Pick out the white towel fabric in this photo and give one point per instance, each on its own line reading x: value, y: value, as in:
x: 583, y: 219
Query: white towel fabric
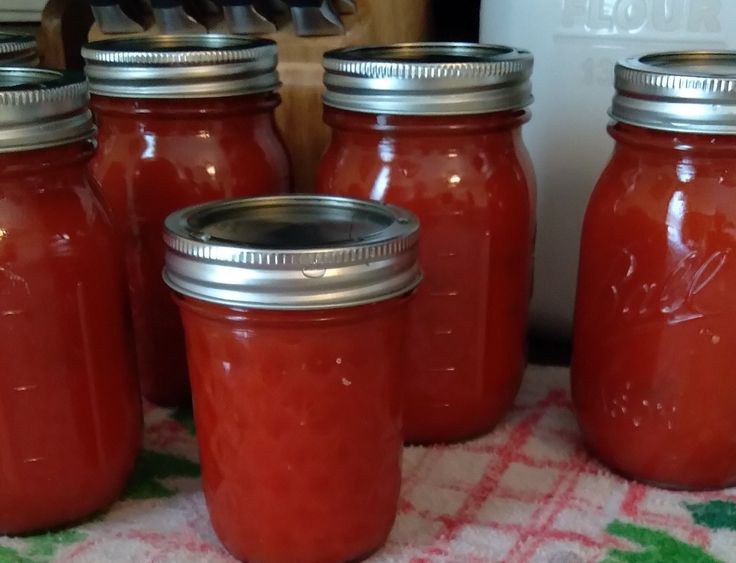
x: 526, y: 493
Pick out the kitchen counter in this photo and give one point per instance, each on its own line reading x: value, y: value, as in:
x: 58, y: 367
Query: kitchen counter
x: 527, y: 492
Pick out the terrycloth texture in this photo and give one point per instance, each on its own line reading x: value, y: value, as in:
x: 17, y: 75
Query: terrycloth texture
x: 525, y: 493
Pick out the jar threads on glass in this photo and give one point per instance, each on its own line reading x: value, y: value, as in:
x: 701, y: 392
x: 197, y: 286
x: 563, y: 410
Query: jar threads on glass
x: 18, y: 49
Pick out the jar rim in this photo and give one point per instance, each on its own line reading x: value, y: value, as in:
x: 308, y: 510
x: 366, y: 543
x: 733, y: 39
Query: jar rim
x: 181, y: 66
x: 682, y: 91
x: 42, y: 108
x: 292, y: 252
x: 444, y: 78
x: 18, y: 49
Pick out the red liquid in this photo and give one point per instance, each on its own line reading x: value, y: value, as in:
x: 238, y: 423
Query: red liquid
x: 469, y: 180
x: 70, y: 417
x: 298, y: 418
x: 157, y: 156
x: 654, y: 366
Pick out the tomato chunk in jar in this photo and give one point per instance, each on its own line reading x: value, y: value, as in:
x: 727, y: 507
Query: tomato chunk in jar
x: 295, y: 311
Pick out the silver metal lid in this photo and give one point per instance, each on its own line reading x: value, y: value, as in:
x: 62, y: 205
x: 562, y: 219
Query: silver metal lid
x: 42, y: 108
x: 687, y: 91
x: 18, y: 49
x: 428, y: 78
x: 292, y: 252
x: 181, y: 66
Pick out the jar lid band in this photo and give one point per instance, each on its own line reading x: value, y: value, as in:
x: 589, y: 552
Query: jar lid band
x: 292, y: 252
x: 42, y: 108
x: 685, y: 91
x: 181, y: 66
x: 18, y: 49
x: 428, y: 78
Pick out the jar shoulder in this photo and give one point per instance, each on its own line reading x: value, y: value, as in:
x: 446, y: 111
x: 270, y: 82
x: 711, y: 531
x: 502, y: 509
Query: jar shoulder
x: 233, y: 145
x: 45, y: 213
x: 461, y: 163
x: 664, y: 185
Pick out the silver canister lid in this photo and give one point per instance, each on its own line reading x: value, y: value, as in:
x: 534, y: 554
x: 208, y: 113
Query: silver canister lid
x: 42, y: 108
x: 181, y: 66
x: 18, y: 49
x: 428, y: 78
x: 292, y: 252
x: 687, y: 91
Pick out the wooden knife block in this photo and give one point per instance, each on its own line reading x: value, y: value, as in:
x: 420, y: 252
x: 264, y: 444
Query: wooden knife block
x: 300, y: 68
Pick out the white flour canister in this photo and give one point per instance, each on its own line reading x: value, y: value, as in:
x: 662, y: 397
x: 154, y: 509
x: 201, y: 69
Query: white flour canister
x: 575, y: 45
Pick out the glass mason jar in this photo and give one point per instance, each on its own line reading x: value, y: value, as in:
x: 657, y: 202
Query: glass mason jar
x: 295, y: 310
x: 18, y: 49
x: 182, y: 120
x: 576, y: 44
x: 435, y: 128
x: 654, y: 364
x: 70, y: 419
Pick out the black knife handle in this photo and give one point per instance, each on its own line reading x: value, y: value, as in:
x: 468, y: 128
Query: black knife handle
x: 166, y: 3
x: 304, y: 3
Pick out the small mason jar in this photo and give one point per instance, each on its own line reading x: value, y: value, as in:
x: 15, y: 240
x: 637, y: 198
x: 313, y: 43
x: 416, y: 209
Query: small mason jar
x: 182, y: 120
x: 436, y: 128
x: 70, y: 413
x: 18, y: 49
x: 294, y: 310
x: 654, y: 363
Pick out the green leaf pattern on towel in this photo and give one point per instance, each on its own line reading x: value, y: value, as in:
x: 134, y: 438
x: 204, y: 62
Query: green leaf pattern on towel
x: 655, y: 546
x: 153, y: 466
x: 145, y: 483
x: 716, y: 514
x: 41, y: 548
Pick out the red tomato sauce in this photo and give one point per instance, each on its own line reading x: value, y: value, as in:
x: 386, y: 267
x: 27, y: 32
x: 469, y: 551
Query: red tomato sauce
x: 654, y: 366
x: 70, y: 417
x: 159, y: 155
x: 298, y: 418
x: 469, y: 180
